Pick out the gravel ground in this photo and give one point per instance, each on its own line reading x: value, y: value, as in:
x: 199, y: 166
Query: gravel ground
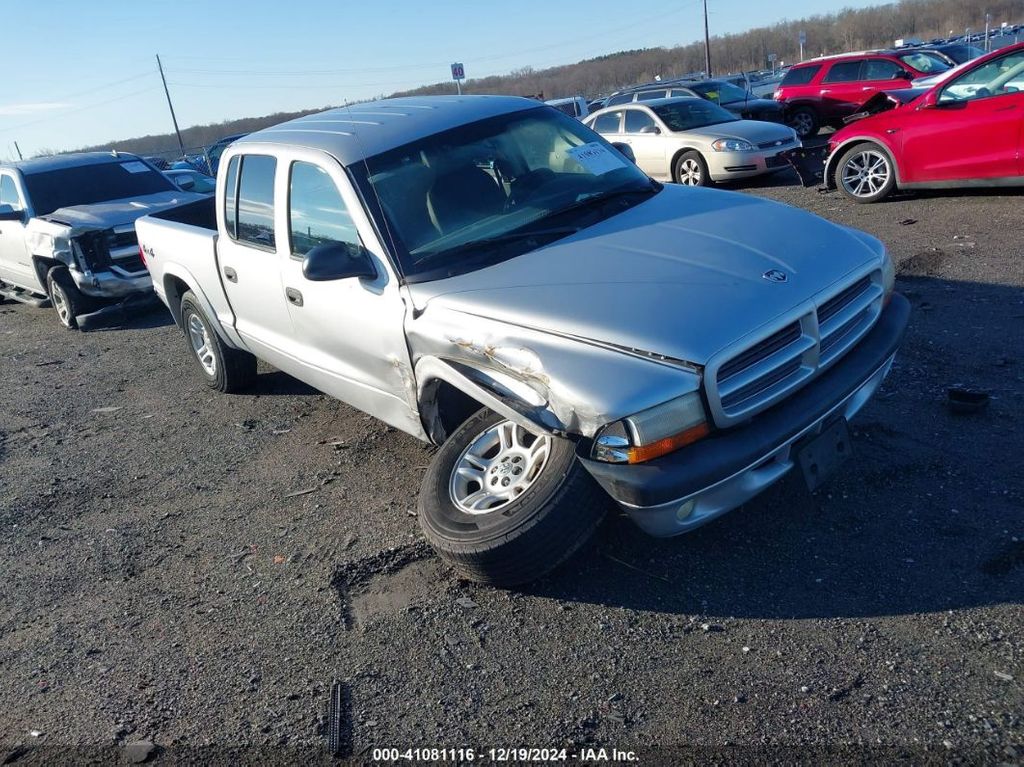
x: 193, y: 570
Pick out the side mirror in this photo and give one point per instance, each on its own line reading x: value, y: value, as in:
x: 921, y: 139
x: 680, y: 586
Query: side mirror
x: 8, y: 213
x: 337, y: 261
x: 651, y: 129
x: 625, y: 150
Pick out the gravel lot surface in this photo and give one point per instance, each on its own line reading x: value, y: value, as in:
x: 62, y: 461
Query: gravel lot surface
x: 190, y: 569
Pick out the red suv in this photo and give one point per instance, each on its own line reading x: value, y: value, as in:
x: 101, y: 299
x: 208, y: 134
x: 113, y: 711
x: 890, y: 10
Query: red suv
x: 824, y: 91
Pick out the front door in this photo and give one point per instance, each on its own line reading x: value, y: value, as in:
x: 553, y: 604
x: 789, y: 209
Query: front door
x: 15, y: 260
x: 348, y: 334
x: 250, y: 258
x: 647, y: 141
x: 972, y: 129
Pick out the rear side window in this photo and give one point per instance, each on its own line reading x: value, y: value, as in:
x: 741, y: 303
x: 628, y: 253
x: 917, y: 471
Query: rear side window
x: 231, y: 197
x: 636, y: 120
x: 881, y: 69
x: 316, y: 212
x: 843, y: 72
x: 651, y: 95
x: 256, y: 200
x: 800, y: 75
x: 608, y: 123
x: 622, y: 98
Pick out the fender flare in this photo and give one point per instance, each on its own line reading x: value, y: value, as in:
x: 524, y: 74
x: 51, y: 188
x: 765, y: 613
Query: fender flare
x: 847, y: 143
x: 180, y: 272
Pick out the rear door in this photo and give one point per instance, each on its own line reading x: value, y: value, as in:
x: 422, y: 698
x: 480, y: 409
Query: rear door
x: 348, y: 334
x: 841, y: 90
x: 249, y: 257
x: 973, y: 129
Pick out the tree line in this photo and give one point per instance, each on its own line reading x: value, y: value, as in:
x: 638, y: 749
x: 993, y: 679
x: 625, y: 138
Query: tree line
x: 847, y: 30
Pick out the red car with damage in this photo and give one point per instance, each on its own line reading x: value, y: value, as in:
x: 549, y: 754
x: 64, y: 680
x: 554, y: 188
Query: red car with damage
x: 965, y: 131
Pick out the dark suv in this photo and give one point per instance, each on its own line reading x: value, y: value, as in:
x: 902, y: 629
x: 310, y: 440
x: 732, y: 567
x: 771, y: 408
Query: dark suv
x: 827, y: 90
x: 740, y: 102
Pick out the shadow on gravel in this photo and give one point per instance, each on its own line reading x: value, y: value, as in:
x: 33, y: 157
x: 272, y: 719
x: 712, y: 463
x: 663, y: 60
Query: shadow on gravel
x: 926, y: 517
x: 276, y: 383
x: 145, y: 316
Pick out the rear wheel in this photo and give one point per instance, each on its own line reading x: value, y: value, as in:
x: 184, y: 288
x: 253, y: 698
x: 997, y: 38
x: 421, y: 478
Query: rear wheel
x: 223, y: 368
x: 502, y: 505
x: 804, y: 121
x: 865, y: 173
x: 691, y: 170
x: 68, y: 301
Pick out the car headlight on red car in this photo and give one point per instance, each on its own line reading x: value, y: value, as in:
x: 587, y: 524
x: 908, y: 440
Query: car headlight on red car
x: 654, y: 432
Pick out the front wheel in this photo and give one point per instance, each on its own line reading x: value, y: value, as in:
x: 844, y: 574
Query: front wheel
x: 865, y: 173
x: 691, y: 170
x: 67, y: 299
x: 503, y: 505
x: 224, y: 369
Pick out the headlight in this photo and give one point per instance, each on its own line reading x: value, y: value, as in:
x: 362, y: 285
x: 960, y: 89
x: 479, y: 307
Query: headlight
x: 888, y: 276
x: 732, y: 145
x: 654, y: 432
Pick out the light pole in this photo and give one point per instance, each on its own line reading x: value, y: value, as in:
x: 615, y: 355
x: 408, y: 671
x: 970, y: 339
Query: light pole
x: 707, y: 43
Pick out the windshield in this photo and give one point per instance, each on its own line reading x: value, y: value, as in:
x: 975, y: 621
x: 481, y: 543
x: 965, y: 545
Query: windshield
x: 687, y: 114
x: 490, y: 190
x: 924, y: 62
x: 723, y: 93
x: 90, y: 184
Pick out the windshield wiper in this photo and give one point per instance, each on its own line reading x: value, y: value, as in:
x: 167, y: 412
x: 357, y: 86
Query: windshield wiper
x: 598, y: 198
x: 500, y: 239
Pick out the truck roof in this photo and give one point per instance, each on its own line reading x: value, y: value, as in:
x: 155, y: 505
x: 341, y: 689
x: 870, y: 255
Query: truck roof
x: 71, y: 160
x: 356, y: 132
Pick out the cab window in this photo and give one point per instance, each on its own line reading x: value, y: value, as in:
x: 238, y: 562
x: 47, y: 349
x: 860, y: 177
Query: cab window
x: 607, y: 123
x: 9, y: 193
x: 256, y: 201
x: 316, y: 212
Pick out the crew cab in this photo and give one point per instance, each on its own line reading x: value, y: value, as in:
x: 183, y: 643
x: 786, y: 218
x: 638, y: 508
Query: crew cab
x: 489, y: 275
x: 67, y: 229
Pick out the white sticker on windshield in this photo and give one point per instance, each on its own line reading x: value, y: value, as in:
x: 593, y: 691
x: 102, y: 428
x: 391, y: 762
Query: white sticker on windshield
x: 135, y: 167
x: 596, y: 159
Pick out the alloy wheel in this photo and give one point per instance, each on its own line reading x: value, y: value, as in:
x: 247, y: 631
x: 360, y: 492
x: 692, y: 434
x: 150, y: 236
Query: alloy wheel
x: 199, y: 337
x: 866, y: 173
x: 690, y: 172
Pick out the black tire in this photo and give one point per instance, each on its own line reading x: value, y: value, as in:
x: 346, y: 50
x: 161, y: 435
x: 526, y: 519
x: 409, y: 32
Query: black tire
x: 68, y: 301
x: 865, y: 188
x: 528, y: 536
x: 804, y: 121
x: 223, y: 368
x: 691, y: 170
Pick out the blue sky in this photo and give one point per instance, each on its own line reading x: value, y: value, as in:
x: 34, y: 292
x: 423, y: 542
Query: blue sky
x: 82, y: 73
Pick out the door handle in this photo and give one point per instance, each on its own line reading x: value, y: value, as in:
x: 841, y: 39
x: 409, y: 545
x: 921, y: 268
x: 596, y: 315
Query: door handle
x: 294, y: 296
x: 230, y: 274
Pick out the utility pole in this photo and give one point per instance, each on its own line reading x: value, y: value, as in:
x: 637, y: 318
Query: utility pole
x: 988, y: 20
x: 707, y: 43
x: 170, y: 106
x: 18, y: 150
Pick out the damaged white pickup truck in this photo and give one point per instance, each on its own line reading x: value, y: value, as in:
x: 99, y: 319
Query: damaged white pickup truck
x: 67, y: 229
x: 489, y: 275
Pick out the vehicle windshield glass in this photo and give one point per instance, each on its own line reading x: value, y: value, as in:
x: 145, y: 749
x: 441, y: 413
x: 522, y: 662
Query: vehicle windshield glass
x: 481, y: 193
x: 924, y: 62
x: 723, y: 93
x: 687, y: 114
x: 90, y: 184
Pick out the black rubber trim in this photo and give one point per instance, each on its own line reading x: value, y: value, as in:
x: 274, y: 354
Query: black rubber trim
x: 718, y: 457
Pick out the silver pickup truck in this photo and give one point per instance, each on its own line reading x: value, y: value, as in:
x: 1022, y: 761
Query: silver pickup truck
x: 491, y: 276
x: 67, y: 229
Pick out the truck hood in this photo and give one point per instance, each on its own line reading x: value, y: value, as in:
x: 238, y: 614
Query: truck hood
x: 104, y: 215
x: 680, y: 275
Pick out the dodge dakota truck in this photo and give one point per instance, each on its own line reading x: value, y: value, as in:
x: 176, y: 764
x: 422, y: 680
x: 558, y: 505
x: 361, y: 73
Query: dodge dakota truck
x: 492, y: 277
x: 67, y: 229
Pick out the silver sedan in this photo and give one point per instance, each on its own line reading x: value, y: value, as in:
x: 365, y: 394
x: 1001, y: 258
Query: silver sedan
x: 694, y: 142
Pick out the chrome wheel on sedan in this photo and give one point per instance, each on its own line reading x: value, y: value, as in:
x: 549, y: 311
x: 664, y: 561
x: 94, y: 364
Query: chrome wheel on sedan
x: 691, y: 170
x: 865, y: 173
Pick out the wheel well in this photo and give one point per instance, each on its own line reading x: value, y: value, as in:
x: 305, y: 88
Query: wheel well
x: 675, y: 159
x: 43, y: 267
x: 174, y: 289
x: 830, y: 170
x: 445, y: 408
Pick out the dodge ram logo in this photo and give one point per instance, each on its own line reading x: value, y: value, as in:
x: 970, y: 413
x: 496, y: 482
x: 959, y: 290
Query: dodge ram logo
x: 775, y: 275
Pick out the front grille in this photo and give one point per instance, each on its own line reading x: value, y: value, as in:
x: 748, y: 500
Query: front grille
x: 776, y: 143
x: 759, y: 376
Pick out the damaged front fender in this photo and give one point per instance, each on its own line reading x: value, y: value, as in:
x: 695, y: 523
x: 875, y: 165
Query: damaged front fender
x: 545, y: 382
